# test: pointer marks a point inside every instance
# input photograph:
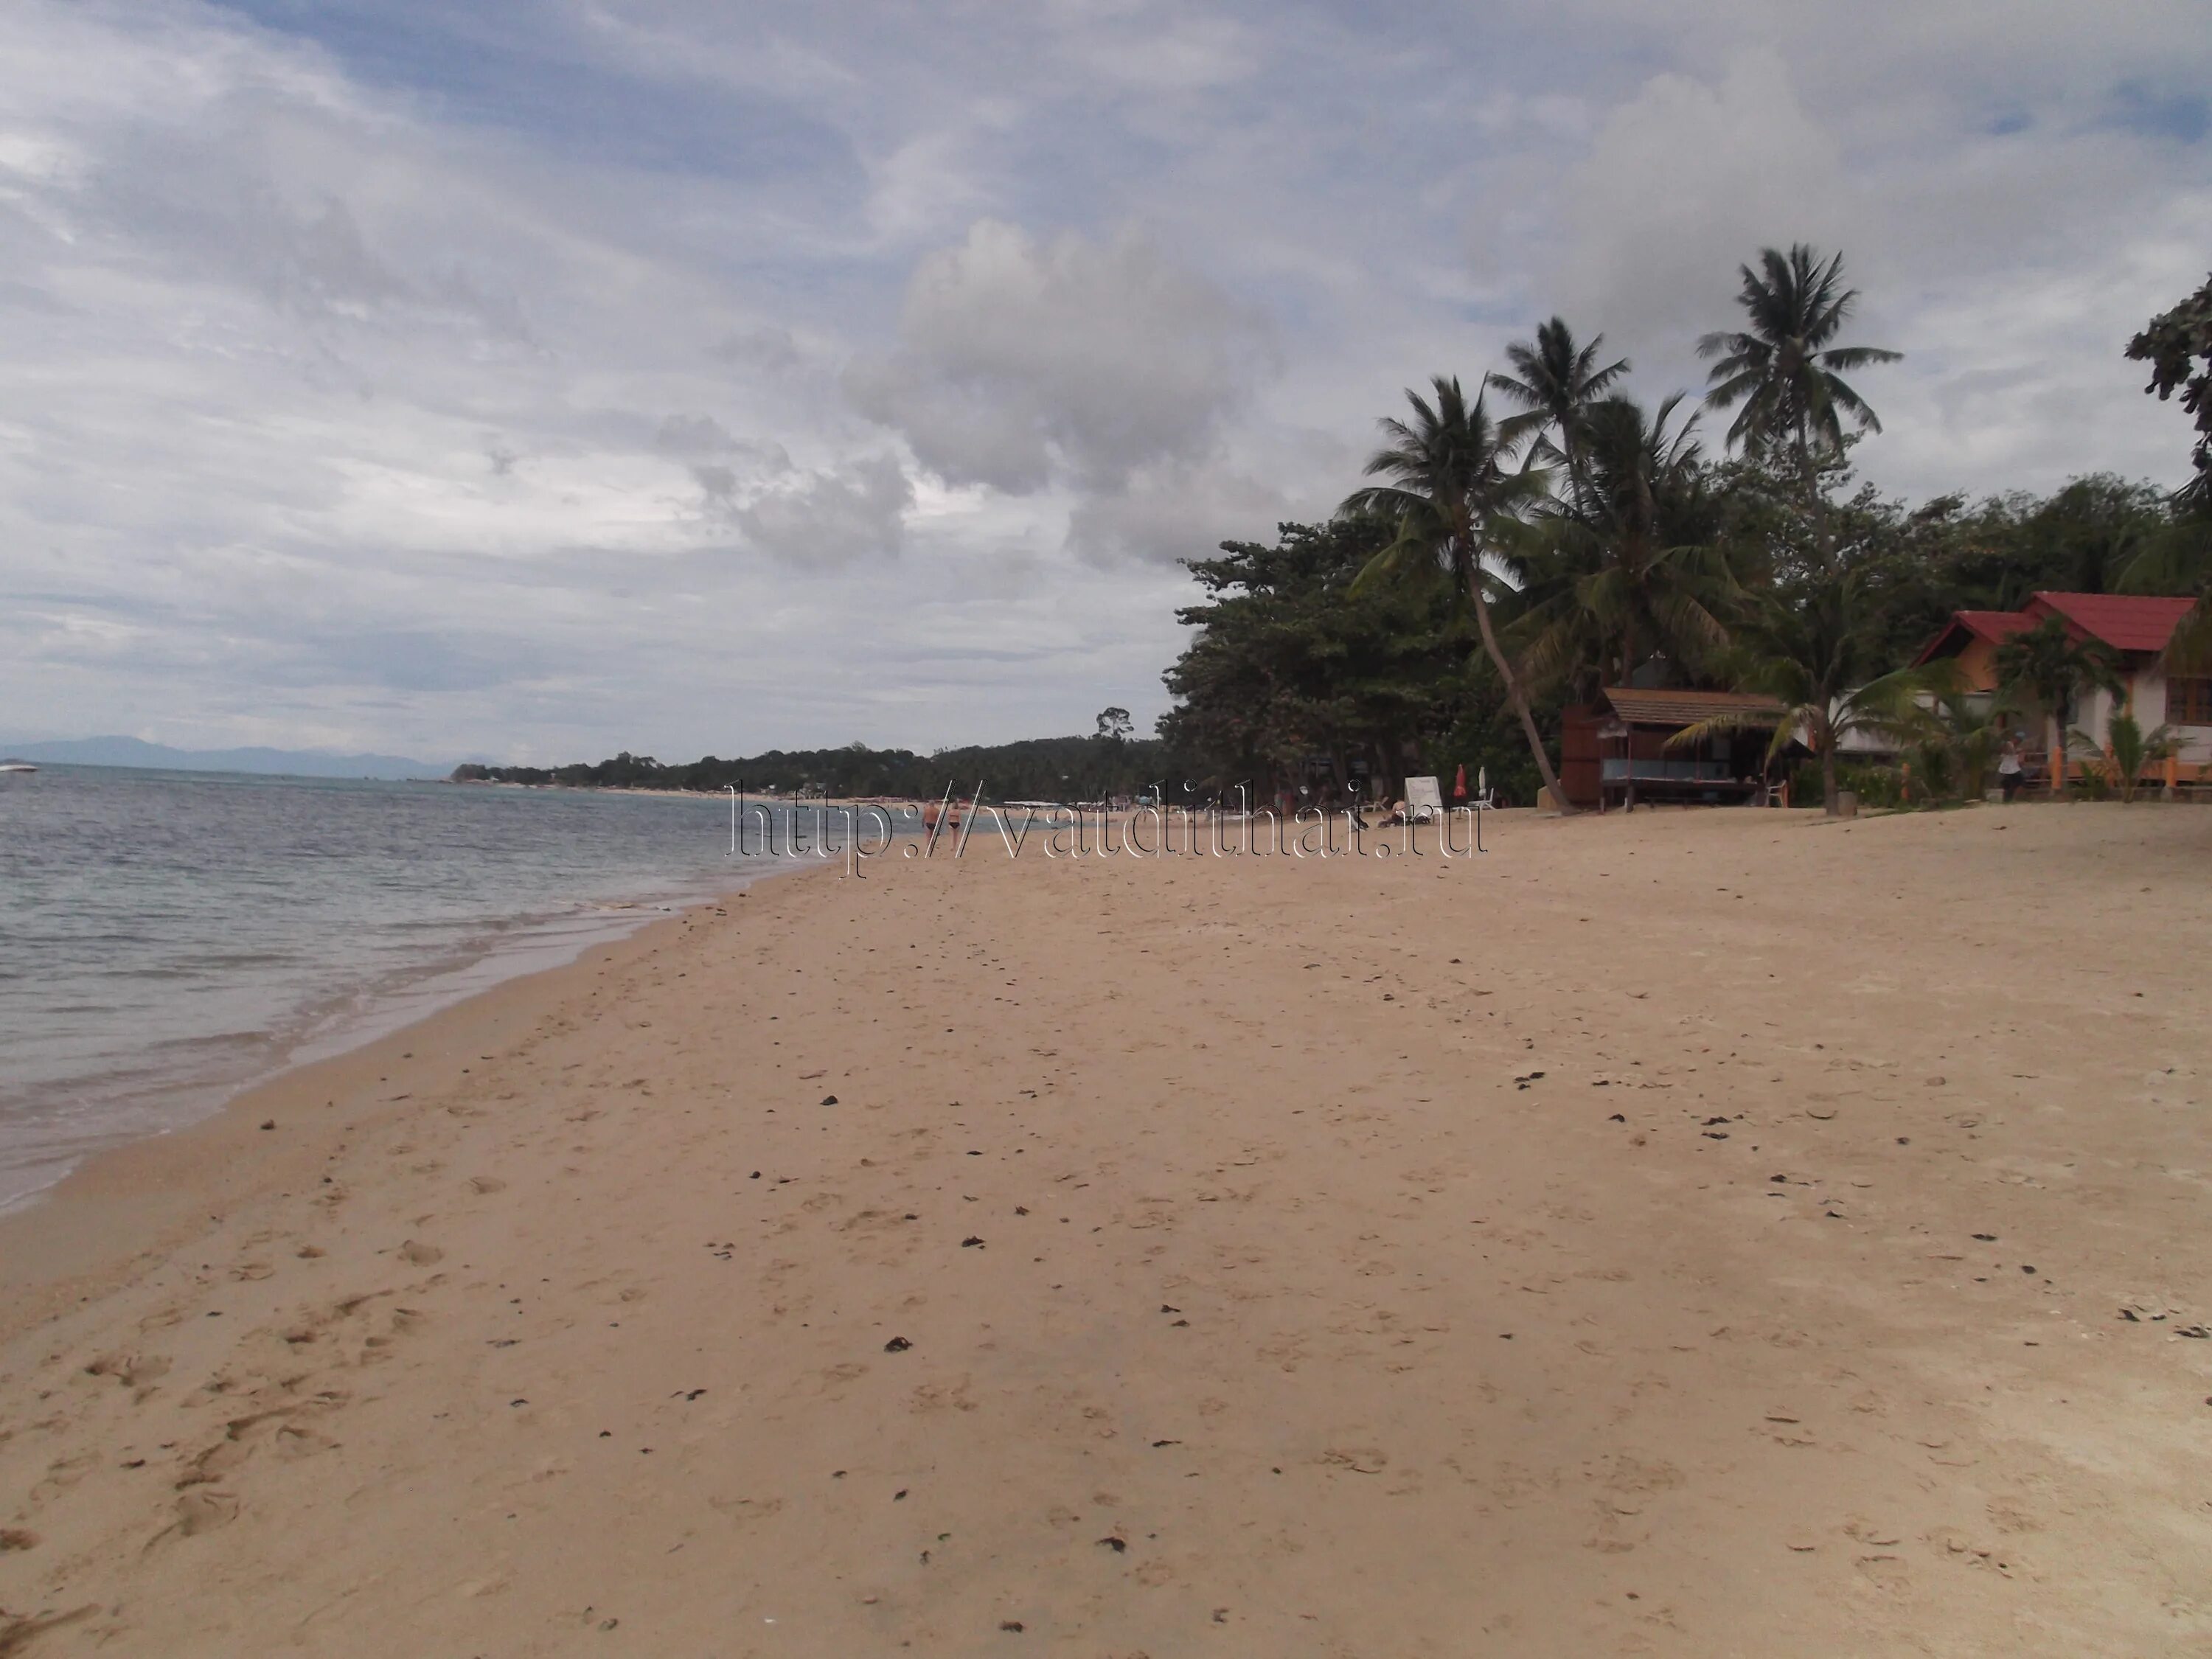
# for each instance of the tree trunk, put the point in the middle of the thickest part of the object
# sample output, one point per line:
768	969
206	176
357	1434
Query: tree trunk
1513	696
1816	500
1832	794
2058	766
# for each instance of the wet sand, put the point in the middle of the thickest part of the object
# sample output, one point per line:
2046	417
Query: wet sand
1695	1234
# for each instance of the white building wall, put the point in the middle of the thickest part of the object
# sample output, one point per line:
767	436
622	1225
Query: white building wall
2092	716
2150	713
2150	699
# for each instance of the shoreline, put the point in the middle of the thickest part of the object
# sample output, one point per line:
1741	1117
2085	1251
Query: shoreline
120	1203
529	944
1671	1235
116	1082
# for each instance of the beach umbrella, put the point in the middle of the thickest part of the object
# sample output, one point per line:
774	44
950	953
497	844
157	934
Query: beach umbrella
1459	784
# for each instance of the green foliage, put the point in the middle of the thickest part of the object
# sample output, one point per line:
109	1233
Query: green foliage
1555	382
1875	786
1785	367
1453	500
1811	643
2132	749
1295	663
2040	670
1959	752
2093	536
2093	783
1623	563
1038	768
2174	345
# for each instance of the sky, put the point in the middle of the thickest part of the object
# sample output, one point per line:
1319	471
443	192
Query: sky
535	379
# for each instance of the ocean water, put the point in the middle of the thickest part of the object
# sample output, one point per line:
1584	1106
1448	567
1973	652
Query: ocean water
166	938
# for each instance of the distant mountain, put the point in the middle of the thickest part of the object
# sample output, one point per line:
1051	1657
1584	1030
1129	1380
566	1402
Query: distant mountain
292	762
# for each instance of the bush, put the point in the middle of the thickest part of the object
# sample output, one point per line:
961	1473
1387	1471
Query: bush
2092	780
1875	786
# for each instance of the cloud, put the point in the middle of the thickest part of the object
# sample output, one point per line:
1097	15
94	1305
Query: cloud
1173	510
1686	181
1021	360
761	347
1161	49
831	518
687	375
695	435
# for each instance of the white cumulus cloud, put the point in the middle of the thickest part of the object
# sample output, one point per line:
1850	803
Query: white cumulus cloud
1022	359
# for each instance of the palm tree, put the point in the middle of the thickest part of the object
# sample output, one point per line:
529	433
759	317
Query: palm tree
1555	383
2133	749
1965	733
1450	487
1784	368
1623	563
2039	670
1811	652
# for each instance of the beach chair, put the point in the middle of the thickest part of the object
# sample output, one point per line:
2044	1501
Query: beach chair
1424	800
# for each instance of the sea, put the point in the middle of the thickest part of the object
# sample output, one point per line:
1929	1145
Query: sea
168	938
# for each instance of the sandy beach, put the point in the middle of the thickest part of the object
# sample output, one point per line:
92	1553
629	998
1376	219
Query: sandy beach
1700	1233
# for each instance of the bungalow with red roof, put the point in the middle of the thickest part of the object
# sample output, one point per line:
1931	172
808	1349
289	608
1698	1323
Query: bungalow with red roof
2135	626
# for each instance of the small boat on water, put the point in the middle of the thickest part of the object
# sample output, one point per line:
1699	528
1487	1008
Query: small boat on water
16	766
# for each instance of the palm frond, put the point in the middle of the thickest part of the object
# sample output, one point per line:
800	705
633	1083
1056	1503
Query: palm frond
1859	358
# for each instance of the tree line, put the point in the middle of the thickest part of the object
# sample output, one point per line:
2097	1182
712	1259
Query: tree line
1548	535
1110	761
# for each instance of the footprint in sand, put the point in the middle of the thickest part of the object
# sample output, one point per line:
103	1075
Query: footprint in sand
742	1509
1360	1459
421	1255
1887	1572
201	1510
836	1378
16	1630
129	1369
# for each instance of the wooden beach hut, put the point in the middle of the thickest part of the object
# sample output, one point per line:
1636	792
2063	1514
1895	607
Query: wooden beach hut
1617	750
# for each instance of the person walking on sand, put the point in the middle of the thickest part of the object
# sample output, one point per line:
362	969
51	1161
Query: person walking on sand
2008	769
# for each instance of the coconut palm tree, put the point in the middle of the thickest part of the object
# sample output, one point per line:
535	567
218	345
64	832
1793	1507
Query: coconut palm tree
1812	651
1450	487
1555	382
1622	564
1785	368
2039	671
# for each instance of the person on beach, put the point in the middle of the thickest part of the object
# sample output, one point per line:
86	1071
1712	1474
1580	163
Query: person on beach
2008	769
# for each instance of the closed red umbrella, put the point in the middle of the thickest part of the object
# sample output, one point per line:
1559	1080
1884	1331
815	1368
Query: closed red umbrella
1459	785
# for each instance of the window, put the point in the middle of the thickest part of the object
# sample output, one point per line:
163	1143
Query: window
2189	701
